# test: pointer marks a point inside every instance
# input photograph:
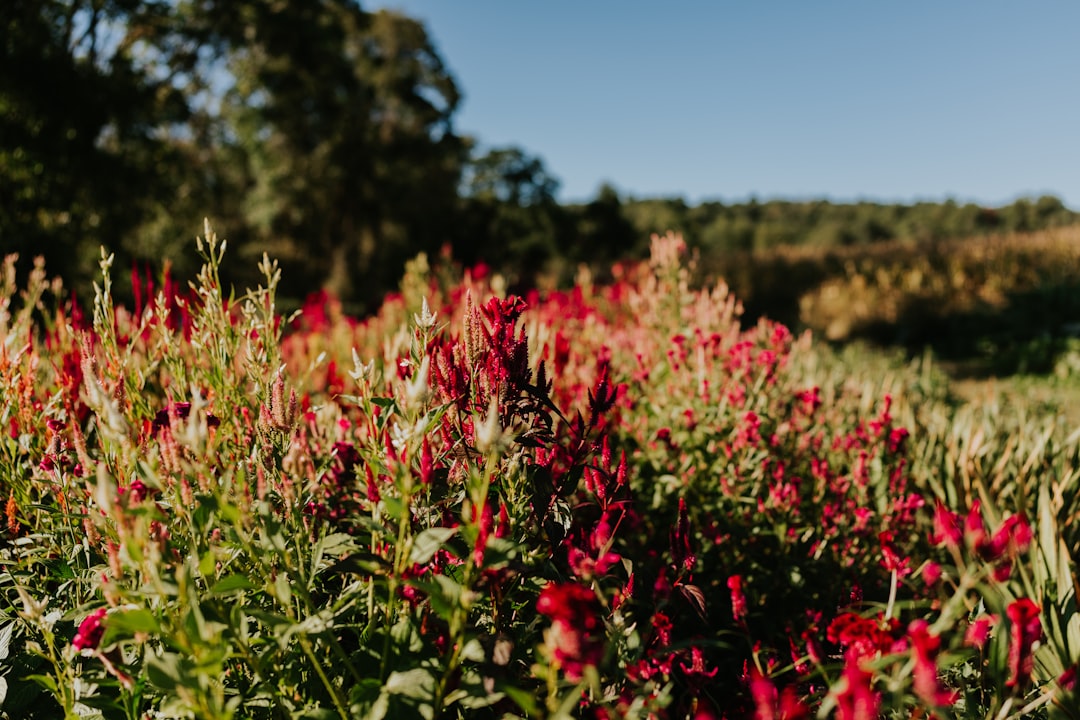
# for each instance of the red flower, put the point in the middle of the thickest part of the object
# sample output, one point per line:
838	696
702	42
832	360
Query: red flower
88	636
891	559
1011	539
574	637
978	632
738	599
946	527
856	699
771	705
1024	632
925	646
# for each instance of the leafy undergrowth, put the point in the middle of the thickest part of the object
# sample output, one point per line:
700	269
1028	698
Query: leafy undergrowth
610	502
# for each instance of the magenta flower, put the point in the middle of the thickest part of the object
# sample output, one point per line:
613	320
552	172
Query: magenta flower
1024	632
978	632
88	636
738	599
856	699
925	646
574	639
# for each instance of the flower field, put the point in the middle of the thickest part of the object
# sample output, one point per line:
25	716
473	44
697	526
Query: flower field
613	501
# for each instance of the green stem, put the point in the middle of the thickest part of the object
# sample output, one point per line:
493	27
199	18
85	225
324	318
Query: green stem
339	703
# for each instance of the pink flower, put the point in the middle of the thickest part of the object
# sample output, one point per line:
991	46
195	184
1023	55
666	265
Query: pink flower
1011	539
88	636
931	573
1024	632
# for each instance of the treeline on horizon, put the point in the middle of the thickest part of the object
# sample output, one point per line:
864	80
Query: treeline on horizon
323	134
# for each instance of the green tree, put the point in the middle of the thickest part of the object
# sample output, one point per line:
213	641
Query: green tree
343	121
84	97
511	219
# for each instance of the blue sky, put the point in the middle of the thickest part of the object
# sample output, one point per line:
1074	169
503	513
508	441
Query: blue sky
893	101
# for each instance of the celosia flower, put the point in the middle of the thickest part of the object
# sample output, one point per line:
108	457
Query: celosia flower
890	558
978	632
681	551
1012	538
856	699
573	640
88	636
863	637
931	573
947	529
925	646
738	599
772	705
1025	630
1067	679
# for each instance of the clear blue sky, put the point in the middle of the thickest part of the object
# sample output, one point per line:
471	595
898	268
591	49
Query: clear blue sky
891	101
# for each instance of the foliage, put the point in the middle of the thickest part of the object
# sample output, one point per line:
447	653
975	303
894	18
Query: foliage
612	501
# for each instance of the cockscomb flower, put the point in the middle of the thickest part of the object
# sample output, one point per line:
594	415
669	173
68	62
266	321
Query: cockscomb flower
738	599
890	556
925	646
90	631
978	632
855	697
1025	630
574	639
769	704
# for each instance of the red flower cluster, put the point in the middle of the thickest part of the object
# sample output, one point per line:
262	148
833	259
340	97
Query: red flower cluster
1001	549
574	639
863	637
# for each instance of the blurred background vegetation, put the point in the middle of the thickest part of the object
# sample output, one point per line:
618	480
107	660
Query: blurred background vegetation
324	134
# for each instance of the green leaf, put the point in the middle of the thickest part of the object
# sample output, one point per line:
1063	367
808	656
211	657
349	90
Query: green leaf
428	542
164	671
133	621
338	543
417	683
522	698
394	507
45	681
5	642
232	584
281	589
443	593
207	564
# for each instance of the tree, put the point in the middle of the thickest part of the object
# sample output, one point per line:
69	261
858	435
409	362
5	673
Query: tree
343	119
309	128
82	160
511	219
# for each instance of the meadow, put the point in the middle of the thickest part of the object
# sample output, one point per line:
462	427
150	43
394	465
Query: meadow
617	500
